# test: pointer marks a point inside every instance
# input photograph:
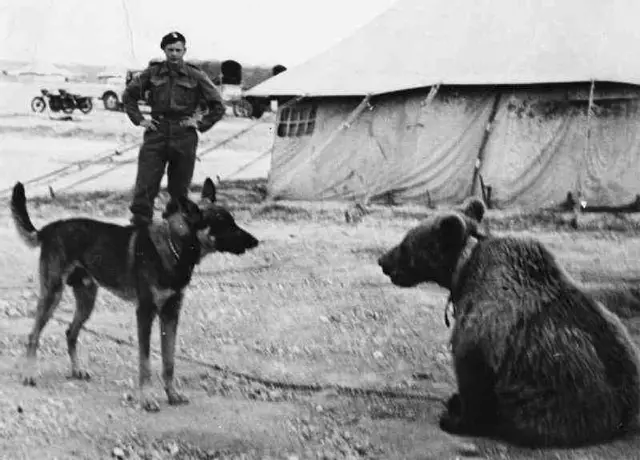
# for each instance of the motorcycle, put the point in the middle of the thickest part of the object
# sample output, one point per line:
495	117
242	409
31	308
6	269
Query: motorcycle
63	101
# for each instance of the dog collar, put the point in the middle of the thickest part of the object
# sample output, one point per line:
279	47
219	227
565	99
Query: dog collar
162	239
455	276
172	247
447	307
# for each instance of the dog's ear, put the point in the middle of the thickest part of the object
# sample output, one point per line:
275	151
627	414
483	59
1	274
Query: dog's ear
209	190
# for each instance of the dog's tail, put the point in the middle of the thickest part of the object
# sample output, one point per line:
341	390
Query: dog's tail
26	230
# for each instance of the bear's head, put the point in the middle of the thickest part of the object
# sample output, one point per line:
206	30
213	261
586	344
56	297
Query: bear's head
430	252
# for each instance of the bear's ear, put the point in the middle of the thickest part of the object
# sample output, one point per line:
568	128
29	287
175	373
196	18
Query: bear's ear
452	231
208	190
474	208
476	231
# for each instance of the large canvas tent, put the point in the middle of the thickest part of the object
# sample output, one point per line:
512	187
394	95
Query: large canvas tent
42	70
438	99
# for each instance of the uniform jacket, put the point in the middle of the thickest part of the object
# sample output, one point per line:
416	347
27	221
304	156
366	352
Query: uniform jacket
175	93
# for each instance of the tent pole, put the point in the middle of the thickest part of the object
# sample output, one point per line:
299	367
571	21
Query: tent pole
483	144
587	145
579	202
433	91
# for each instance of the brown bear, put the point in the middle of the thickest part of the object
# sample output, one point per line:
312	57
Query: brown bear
538	361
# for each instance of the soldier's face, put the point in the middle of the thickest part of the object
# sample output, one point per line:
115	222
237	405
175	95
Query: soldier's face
175	51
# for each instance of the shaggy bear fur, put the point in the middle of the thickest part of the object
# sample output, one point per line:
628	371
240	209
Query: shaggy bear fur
538	361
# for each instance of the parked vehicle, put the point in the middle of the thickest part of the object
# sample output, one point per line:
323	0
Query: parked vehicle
112	95
62	102
228	78
230	83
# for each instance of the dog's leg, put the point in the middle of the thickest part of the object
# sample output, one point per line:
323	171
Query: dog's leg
145	314
50	295
85	293
169	316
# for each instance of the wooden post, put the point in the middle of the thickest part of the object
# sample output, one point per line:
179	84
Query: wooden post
431	96
579	203
483	144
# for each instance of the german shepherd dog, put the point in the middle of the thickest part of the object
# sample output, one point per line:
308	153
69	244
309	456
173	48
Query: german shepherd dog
148	265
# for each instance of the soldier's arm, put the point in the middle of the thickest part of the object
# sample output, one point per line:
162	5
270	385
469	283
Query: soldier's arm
133	93
213	102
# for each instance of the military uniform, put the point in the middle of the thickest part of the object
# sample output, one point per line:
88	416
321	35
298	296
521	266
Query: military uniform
174	93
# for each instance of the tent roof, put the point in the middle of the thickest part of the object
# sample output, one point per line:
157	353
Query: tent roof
41	68
419	43
112	72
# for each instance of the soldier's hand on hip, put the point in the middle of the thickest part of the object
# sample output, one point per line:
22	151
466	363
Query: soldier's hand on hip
149	124
191	122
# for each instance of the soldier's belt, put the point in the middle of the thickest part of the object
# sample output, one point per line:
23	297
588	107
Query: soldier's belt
170	116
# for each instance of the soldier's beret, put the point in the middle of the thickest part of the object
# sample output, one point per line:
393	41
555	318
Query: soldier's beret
171	38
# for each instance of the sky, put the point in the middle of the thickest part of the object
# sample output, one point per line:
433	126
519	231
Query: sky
96	32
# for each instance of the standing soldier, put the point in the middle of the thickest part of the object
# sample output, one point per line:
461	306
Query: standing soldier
176	90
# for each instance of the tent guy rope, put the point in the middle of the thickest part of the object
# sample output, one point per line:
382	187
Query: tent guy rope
346	124
82	164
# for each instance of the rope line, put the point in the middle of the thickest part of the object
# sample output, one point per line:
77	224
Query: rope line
101	157
79	164
96	175
250	163
244	130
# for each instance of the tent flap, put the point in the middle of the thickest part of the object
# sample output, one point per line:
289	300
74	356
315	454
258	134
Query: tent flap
537	151
390	149
426	153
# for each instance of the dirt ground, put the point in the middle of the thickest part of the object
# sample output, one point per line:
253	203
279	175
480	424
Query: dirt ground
300	349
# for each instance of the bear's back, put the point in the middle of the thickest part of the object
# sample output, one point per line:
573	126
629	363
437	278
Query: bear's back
550	346
512	271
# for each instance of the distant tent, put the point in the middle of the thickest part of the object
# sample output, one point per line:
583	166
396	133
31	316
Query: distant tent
44	70
435	99
112	72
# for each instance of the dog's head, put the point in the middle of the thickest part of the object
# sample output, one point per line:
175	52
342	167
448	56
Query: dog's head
218	230
430	251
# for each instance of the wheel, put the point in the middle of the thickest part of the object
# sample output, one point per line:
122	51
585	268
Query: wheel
258	111
110	100
38	105
242	108
259	106
85	106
